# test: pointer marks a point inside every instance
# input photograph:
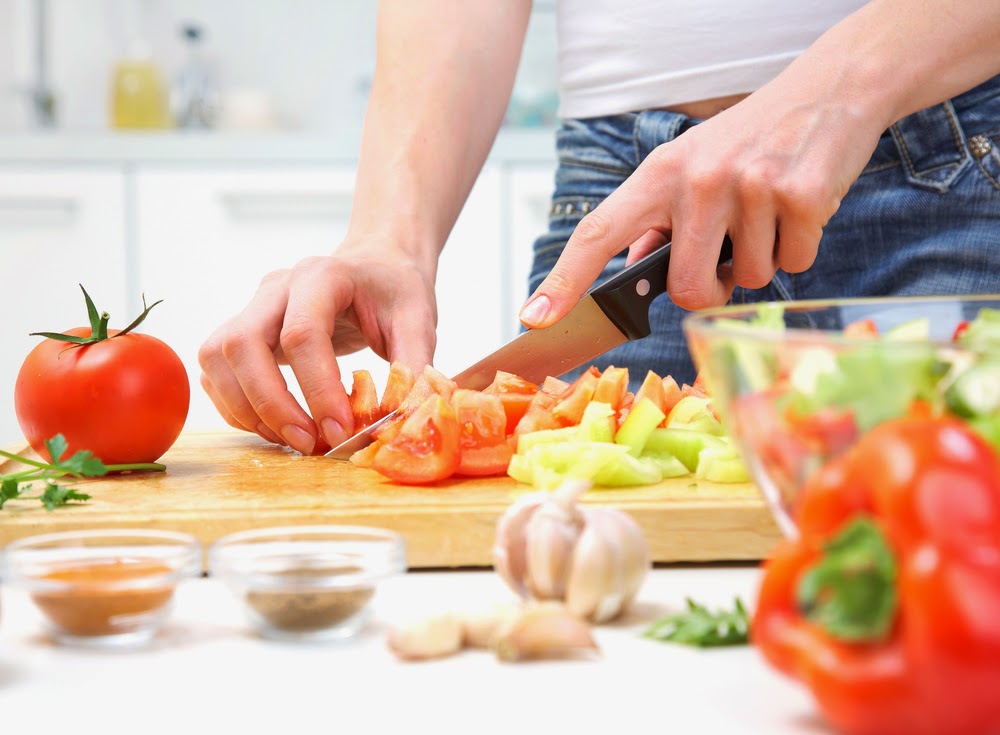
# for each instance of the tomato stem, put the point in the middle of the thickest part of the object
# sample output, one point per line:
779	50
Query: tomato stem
98	324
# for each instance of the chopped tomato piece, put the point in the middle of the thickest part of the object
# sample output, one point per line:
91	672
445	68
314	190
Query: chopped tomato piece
364	401
861	328
538	416
612	387
366	457
425	448
553	386
652	388
397	387
481	418
571	404
429	382
960	329
671	394
515	392
485	461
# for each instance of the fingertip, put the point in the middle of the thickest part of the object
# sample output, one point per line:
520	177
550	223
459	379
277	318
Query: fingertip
535	313
333	431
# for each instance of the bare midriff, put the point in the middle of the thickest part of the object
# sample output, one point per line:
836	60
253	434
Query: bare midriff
704	109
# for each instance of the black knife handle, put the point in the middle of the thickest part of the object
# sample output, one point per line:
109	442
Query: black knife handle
625	297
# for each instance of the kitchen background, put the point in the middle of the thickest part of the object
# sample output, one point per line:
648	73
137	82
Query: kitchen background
241	163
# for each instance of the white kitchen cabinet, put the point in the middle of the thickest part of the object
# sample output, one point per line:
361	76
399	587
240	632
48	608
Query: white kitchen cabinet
205	238
529	194
59	227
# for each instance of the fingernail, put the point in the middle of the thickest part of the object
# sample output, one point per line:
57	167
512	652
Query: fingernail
333	432
536	310
265	431
298	438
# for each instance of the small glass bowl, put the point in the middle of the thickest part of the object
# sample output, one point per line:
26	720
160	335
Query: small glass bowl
801	392
307	582
103	588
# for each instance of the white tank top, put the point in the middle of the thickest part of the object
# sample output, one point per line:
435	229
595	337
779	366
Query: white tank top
624	55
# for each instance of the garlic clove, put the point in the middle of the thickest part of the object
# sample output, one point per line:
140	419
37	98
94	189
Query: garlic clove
594	589
550	536
434	637
481	629
634	550
509	552
543	630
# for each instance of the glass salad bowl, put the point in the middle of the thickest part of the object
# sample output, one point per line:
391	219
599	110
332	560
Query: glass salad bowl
797	383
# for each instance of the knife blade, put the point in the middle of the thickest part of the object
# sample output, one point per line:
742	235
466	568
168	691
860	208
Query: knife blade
610	314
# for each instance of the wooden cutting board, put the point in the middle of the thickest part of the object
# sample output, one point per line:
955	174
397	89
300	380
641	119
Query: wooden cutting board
220	482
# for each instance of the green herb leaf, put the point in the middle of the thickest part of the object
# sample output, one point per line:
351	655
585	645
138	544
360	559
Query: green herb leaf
58	495
82	464
9	490
851	591
57	447
697	626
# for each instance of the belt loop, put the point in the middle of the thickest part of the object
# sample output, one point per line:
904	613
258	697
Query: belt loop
932	147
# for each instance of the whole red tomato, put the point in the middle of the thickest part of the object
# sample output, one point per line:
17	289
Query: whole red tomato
120	394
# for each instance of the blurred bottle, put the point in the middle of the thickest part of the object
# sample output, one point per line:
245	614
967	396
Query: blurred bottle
138	92
194	99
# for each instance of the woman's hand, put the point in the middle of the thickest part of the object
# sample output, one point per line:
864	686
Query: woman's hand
769	171
772	169
306	317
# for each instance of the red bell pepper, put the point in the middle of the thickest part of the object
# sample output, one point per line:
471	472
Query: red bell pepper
887	605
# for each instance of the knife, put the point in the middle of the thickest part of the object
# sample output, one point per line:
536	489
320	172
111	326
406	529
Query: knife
610	314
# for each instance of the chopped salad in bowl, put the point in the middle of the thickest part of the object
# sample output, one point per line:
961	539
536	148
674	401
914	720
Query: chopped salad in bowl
798	383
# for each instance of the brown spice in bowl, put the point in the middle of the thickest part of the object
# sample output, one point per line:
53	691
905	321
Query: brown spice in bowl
93	603
301	608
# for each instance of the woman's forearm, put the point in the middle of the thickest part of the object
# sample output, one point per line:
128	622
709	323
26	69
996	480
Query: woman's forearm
894	57
444	73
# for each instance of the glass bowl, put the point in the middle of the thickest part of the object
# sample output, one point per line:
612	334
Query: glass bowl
797	383
307	582
103	588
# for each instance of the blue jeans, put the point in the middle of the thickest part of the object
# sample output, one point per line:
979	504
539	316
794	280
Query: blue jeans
923	217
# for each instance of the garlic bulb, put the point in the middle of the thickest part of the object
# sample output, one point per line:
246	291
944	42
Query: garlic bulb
549	548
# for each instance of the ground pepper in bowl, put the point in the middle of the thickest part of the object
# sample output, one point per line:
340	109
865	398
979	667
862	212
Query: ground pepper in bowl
301	608
307	582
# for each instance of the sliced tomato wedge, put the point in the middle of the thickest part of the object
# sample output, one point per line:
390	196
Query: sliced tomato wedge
573	401
538	416
515	392
612	387
397	387
482	426
425	448
430	382
364	401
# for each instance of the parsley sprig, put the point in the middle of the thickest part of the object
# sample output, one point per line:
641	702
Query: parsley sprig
18	485
698	626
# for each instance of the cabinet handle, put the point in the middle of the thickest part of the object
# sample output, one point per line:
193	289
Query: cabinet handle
37	211
283	205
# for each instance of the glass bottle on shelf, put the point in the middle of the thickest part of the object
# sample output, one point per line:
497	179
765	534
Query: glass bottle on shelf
138	92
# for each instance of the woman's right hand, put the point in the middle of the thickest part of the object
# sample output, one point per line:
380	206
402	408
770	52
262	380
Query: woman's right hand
360	296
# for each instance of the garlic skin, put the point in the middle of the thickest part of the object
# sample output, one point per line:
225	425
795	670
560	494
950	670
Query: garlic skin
593	559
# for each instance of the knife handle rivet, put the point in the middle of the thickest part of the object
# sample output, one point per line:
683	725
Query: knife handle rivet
642	287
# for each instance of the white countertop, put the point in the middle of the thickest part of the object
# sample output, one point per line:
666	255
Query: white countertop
208	673
513	145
